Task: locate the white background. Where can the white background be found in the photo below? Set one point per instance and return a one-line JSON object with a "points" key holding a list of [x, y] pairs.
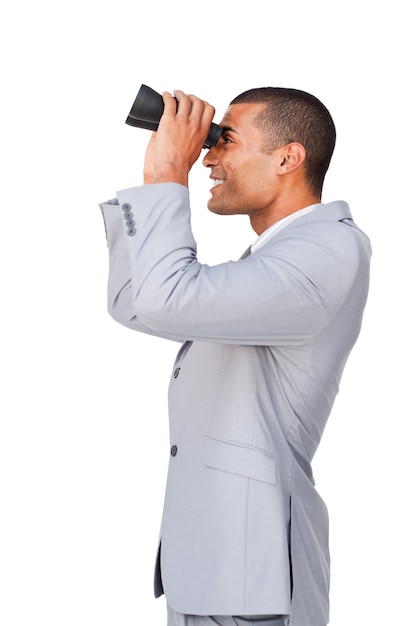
{"points": [[83, 442]]}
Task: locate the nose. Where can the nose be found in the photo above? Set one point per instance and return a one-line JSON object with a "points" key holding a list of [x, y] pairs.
{"points": [[210, 159]]}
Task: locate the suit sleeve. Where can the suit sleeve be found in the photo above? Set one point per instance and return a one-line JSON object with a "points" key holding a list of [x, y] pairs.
{"points": [[282, 295], [119, 290]]}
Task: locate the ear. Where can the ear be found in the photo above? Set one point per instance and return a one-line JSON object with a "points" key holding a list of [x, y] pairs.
{"points": [[292, 155]]}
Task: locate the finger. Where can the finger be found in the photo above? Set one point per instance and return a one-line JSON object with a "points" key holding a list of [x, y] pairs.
{"points": [[208, 113], [201, 111], [170, 104], [190, 106], [197, 107], [184, 103]]}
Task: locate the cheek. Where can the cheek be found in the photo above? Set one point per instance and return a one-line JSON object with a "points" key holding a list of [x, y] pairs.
{"points": [[243, 173], [254, 178], [262, 175]]}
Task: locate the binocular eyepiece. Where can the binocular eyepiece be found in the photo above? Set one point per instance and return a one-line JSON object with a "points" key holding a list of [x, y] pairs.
{"points": [[148, 108]]}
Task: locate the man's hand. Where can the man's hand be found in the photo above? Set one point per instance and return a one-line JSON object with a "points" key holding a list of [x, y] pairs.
{"points": [[178, 142]]}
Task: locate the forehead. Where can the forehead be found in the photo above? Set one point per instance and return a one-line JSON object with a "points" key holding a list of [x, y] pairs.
{"points": [[241, 118]]}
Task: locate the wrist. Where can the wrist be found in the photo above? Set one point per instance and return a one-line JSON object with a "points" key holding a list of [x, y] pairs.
{"points": [[169, 175]]}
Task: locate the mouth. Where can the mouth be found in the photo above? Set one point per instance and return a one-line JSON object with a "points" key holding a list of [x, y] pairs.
{"points": [[217, 182]]}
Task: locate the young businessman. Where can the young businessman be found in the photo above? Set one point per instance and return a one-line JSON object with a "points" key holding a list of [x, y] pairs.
{"points": [[244, 534]]}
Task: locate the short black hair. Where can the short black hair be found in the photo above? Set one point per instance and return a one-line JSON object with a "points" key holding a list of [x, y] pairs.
{"points": [[291, 115]]}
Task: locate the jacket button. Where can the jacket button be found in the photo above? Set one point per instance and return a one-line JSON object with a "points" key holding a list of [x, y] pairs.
{"points": [[176, 372], [131, 232], [174, 450], [126, 207]]}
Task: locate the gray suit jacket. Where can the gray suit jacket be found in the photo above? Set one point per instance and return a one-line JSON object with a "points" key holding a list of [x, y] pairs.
{"points": [[265, 340]]}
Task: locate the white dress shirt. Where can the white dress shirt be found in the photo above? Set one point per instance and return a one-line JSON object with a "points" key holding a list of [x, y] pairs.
{"points": [[275, 228]]}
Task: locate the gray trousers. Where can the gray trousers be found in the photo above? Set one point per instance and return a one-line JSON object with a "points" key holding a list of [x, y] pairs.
{"points": [[179, 619]]}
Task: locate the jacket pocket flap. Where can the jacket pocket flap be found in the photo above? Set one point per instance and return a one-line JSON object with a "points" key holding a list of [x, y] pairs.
{"points": [[240, 459]]}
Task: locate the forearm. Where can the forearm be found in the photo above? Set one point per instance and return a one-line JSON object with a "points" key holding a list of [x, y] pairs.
{"points": [[280, 298], [120, 301]]}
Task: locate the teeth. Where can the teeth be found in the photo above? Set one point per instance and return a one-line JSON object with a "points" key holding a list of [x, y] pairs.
{"points": [[217, 182]]}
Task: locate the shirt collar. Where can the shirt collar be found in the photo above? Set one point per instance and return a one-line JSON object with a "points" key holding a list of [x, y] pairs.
{"points": [[277, 226]]}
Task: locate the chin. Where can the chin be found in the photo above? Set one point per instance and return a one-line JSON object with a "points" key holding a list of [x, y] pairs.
{"points": [[219, 209]]}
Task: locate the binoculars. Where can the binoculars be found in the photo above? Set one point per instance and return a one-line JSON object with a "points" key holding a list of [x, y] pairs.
{"points": [[148, 108]]}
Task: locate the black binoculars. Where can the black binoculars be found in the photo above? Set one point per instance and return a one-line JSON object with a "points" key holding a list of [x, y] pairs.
{"points": [[148, 108]]}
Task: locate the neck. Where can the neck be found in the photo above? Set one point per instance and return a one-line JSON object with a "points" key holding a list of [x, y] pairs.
{"points": [[279, 210]]}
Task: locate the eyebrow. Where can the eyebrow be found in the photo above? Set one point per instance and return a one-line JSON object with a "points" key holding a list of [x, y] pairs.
{"points": [[226, 129]]}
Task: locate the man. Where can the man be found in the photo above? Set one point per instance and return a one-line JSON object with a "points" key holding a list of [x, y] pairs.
{"points": [[244, 534]]}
